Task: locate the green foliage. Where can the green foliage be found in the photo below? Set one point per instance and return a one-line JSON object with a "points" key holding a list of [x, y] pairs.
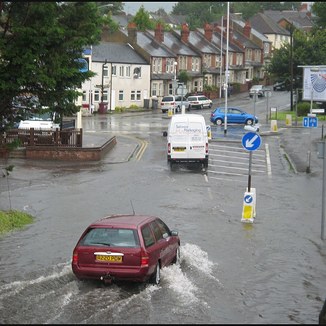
{"points": [[134, 107], [304, 108], [143, 20], [319, 9], [40, 45], [12, 219], [184, 77]]}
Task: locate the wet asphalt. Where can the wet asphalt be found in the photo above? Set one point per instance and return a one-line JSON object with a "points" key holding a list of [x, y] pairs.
{"points": [[300, 144]]}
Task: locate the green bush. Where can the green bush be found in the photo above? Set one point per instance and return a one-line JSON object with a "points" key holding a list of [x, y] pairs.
{"points": [[304, 108]]}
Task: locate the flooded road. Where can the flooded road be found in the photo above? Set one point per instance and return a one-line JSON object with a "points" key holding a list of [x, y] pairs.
{"points": [[271, 271]]}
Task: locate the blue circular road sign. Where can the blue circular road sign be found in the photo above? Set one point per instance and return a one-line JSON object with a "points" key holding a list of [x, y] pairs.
{"points": [[251, 141]]}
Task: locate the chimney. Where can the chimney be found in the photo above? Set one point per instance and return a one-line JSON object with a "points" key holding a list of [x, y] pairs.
{"points": [[132, 33], [185, 32], [303, 7], [247, 29], [208, 32], [159, 33]]}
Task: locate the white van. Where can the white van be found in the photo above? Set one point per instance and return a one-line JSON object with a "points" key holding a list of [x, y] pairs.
{"points": [[187, 140]]}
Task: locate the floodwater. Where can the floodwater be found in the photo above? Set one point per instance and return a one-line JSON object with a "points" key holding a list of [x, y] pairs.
{"points": [[270, 271]]}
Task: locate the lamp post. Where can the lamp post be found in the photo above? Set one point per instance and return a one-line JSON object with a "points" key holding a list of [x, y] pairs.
{"points": [[102, 87], [291, 64], [221, 58], [175, 76], [227, 70]]}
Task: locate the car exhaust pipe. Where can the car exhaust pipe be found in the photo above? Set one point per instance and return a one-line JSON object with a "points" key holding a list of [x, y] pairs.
{"points": [[106, 279]]}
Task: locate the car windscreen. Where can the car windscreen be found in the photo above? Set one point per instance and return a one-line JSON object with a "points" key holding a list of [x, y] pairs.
{"points": [[111, 237]]}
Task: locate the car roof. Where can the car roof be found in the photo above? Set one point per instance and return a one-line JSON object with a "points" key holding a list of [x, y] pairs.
{"points": [[121, 220]]}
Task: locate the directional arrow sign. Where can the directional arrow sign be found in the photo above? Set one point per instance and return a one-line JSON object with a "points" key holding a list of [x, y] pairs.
{"points": [[251, 141], [248, 199]]}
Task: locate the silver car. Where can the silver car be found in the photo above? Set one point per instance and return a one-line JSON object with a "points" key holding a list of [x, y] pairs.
{"points": [[257, 89], [175, 103]]}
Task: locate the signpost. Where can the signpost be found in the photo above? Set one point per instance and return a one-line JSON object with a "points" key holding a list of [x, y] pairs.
{"points": [[251, 141]]}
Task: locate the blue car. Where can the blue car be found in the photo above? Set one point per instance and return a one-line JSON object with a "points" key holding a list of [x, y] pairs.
{"points": [[234, 115]]}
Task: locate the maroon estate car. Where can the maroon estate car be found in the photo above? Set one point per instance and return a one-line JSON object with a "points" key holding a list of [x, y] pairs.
{"points": [[125, 247]]}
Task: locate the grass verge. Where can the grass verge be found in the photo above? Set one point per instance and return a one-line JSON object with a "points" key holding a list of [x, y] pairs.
{"points": [[12, 220]]}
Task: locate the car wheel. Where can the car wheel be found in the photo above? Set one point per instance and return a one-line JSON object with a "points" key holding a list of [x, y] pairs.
{"points": [[202, 107], [178, 109], [218, 122], [189, 107], [156, 277], [249, 122], [210, 106], [177, 258]]}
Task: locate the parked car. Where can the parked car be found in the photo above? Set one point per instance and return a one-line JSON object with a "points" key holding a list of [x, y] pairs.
{"points": [[199, 102], [175, 103], [234, 115], [257, 89], [279, 86], [125, 247]]}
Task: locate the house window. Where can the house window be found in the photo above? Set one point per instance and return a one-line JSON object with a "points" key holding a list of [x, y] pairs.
{"points": [[138, 95], [154, 89], [105, 71], [121, 71], [133, 96], [114, 70], [121, 95], [84, 96], [105, 96], [128, 71], [96, 96]]}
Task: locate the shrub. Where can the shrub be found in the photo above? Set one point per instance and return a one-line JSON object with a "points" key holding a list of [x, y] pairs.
{"points": [[304, 108]]}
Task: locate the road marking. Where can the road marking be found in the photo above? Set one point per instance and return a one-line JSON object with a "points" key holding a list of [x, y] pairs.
{"points": [[268, 160], [142, 149]]}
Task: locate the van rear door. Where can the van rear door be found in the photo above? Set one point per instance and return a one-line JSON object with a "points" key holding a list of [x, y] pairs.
{"points": [[187, 140]]}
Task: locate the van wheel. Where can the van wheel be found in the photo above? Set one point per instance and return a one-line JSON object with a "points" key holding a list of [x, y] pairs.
{"points": [[171, 165], [156, 277], [249, 122]]}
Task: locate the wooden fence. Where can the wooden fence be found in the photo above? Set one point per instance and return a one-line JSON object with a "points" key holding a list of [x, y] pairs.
{"points": [[68, 137]]}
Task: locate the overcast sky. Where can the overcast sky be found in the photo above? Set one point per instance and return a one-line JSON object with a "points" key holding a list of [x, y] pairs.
{"points": [[132, 7]]}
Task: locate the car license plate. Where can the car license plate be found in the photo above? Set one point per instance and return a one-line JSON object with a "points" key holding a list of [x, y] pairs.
{"points": [[179, 149], [110, 258]]}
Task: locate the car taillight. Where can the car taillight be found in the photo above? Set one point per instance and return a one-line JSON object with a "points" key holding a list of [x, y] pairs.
{"points": [[169, 148], [75, 258], [206, 148], [144, 259]]}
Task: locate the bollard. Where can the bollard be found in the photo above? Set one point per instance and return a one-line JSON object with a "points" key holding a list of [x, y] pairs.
{"points": [[209, 132], [274, 125], [288, 120], [170, 112], [249, 203]]}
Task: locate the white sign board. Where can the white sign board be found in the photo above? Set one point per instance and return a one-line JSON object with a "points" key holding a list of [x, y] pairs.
{"points": [[314, 83]]}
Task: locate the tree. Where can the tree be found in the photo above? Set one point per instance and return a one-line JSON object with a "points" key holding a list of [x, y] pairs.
{"points": [[143, 20], [40, 44], [308, 49], [319, 9]]}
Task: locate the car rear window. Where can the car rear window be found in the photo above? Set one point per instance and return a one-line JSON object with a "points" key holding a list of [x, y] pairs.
{"points": [[168, 99], [112, 237]]}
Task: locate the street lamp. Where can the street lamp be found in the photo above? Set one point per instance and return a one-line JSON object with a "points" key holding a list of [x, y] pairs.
{"points": [[227, 69], [101, 109], [174, 84]]}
